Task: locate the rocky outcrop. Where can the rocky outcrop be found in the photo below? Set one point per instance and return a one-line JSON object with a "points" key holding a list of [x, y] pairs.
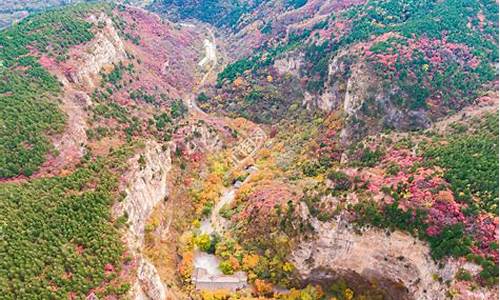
{"points": [[198, 137], [289, 64], [149, 285], [71, 145], [79, 75], [397, 263], [146, 186], [106, 48], [367, 102]]}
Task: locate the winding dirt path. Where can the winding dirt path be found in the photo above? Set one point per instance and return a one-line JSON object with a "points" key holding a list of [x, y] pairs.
{"points": [[195, 111]]}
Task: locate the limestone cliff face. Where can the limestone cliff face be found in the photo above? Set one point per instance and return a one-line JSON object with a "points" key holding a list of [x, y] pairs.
{"points": [[106, 48], [149, 285], [146, 183], [290, 63], [79, 75], [354, 88], [398, 263]]}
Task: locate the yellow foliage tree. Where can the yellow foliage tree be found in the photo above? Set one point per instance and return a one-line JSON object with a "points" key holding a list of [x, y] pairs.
{"points": [[349, 294], [288, 267], [250, 261], [216, 295], [186, 265], [203, 241], [186, 241], [263, 288]]}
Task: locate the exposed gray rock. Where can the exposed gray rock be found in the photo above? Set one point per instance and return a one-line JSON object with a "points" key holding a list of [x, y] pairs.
{"points": [[150, 284], [290, 63], [146, 187], [398, 263], [105, 48]]}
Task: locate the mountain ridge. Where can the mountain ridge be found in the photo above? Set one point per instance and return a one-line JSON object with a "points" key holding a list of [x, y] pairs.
{"points": [[358, 139]]}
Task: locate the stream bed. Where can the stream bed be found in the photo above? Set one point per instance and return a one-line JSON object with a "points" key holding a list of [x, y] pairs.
{"points": [[215, 223]]}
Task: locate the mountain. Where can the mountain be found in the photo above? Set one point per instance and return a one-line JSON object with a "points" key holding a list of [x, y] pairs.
{"points": [[13, 10], [226, 149]]}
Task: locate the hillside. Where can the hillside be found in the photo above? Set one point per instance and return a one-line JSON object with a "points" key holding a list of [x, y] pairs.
{"points": [[13, 10], [268, 149]]}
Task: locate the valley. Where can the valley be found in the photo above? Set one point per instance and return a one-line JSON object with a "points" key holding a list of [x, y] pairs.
{"points": [[262, 149]]}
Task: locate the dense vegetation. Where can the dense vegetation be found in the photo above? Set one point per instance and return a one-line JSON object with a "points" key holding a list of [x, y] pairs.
{"points": [[469, 159], [444, 51], [11, 11], [262, 59], [455, 81], [58, 240], [28, 109], [471, 164], [452, 241]]}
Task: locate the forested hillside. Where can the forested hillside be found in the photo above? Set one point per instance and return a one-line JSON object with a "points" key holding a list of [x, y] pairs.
{"points": [[28, 92], [427, 56], [264, 149]]}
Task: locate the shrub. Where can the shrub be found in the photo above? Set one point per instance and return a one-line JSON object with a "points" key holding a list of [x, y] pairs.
{"points": [[203, 242], [226, 267], [463, 275], [341, 182], [370, 158], [311, 169]]}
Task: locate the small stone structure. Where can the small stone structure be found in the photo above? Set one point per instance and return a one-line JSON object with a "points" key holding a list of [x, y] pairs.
{"points": [[204, 281]]}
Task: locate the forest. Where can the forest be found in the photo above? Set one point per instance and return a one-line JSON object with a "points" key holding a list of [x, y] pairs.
{"points": [[58, 237], [422, 69], [28, 93]]}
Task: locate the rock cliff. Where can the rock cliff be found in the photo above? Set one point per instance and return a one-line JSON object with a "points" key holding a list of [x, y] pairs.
{"points": [[397, 263], [353, 87], [146, 183], [106, 48], [148, 284]]}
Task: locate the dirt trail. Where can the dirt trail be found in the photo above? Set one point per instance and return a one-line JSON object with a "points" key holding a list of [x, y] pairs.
{"points": [[211, 56]]}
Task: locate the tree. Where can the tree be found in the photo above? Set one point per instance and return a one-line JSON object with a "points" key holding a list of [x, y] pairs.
{"points": [[226, 267], [263, 288], [203, 242]]}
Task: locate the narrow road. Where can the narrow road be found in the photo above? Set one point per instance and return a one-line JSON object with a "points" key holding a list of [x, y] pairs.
{"points": [[210, 58]]}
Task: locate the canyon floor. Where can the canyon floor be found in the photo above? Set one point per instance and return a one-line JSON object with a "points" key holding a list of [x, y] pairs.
{"points": [[276, 150]]}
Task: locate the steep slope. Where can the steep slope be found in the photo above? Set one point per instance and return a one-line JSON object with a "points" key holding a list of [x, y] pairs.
{"points": [[96, 80], [13, 11], [102, 70], [219, 13], [349, 150], [330, 77], [382, 70]]}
